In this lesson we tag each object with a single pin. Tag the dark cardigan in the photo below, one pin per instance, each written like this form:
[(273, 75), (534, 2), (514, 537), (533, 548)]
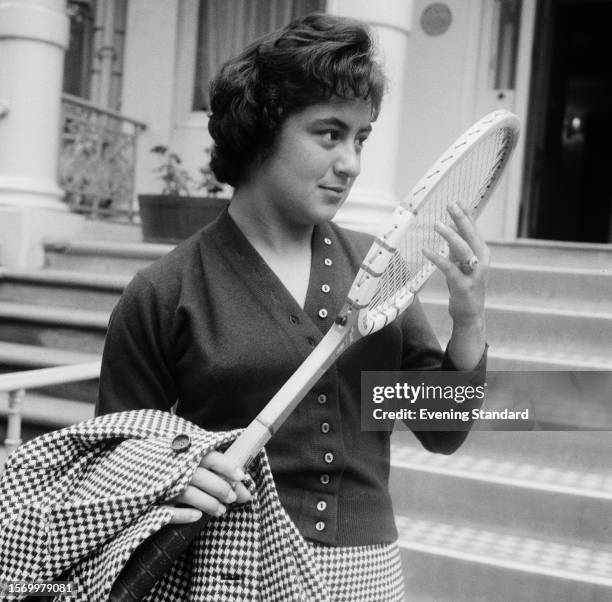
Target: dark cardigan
[(211, 327)]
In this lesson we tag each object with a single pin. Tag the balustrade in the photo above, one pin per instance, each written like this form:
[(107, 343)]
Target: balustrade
[(97, 159), (17, 383)]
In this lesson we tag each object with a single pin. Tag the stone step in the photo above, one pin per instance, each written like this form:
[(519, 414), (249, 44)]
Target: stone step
[(535, 258), (579, 451), (488, 491), (551, 400), (18, 356), (15, 357), (581, 289), (61, 288), (112, 230), (458, 562), (552, 253), (106, 257), (53, 327), (530, 329), (523, 360), (555, 400)]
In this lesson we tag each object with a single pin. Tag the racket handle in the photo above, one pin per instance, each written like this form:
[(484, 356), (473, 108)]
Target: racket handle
[(152, 559)]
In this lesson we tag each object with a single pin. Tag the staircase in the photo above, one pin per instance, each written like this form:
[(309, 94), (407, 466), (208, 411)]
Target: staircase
[(549, 306), (512, 516), (522, 515), (58, 315)]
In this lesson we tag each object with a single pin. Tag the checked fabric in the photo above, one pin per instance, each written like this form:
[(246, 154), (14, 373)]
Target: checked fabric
[(76, 502)]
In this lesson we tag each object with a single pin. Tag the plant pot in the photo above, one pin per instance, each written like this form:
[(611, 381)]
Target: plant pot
[(171, 219)]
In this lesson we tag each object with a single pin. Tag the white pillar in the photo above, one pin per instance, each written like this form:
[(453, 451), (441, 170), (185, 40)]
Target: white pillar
[(33, 39), (373, 196), (150, 73)]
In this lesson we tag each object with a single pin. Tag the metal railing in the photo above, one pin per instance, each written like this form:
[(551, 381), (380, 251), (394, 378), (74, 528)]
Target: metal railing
[(97, 159), (16, 385)]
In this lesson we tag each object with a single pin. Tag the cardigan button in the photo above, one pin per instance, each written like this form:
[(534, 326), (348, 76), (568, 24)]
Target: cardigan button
[(181, 443), (327, 261), (322, 398), (328, 457), (324, 478), (327, 240), (325, 427), (321, 505), (323, 313), (294, 319), (320, 525), (325, 288)]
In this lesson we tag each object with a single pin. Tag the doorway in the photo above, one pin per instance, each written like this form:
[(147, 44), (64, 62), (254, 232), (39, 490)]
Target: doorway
[(567, 194)]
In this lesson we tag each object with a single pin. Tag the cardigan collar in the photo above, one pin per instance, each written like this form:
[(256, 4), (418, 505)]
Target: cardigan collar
[(326, 289)]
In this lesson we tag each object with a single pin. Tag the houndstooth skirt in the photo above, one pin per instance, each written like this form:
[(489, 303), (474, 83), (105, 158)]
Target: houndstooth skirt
[(361, 573)]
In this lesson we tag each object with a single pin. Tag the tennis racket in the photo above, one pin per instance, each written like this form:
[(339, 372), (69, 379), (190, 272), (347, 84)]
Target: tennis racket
[(393, 270)]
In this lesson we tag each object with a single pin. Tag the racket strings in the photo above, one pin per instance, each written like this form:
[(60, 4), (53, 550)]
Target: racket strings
[(466, 183)]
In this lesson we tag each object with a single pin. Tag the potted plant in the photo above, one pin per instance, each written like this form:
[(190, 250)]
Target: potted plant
[(175, 214)]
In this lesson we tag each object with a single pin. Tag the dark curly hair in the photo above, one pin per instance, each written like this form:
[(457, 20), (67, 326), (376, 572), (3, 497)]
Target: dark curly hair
[(311, 60)]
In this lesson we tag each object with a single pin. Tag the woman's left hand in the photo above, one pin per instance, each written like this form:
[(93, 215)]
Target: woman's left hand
[(465, 268)]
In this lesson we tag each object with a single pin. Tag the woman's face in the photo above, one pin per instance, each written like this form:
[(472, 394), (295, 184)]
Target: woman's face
[(315, 160)]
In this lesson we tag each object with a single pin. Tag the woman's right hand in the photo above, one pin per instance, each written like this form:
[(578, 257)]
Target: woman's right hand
[(214, 485)]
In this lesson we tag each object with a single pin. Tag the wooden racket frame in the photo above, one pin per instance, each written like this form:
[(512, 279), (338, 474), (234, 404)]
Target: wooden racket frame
[(355, 320)]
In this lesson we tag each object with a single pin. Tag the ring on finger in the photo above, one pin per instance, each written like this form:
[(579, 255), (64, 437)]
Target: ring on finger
[(468, 265)]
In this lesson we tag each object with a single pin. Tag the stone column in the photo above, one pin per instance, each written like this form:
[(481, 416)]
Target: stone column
[(33, 39), (374, 195)]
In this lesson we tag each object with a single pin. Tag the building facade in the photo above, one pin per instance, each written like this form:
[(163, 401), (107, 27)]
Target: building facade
[(147, 64)]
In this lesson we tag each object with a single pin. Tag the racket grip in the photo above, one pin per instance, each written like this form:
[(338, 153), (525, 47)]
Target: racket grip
[(152, 559)]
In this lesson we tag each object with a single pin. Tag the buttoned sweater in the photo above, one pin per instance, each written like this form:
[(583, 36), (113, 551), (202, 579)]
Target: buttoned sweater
[(210, 331)]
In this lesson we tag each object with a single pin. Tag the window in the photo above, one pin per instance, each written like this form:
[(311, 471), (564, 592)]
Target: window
[(509, 21), (225, 27), (93, 65), (77, 61)]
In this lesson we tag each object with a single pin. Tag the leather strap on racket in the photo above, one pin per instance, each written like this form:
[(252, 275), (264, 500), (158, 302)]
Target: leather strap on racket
[(153, 559)]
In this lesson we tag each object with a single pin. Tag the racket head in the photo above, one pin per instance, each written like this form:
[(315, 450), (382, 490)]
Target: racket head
[(466, 173)]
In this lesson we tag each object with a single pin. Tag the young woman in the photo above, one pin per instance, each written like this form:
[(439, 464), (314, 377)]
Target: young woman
[(216, 327)]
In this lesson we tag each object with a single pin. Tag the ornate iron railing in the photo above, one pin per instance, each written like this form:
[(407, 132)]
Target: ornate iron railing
[(16, 384), (97, 159)]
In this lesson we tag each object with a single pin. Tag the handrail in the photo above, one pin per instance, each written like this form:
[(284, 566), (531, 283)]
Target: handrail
[(43, 377), (81, 102), (16, 384)]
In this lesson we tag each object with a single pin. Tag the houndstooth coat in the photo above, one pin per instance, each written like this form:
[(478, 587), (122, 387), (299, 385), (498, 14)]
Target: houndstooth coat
[(83, 498)]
